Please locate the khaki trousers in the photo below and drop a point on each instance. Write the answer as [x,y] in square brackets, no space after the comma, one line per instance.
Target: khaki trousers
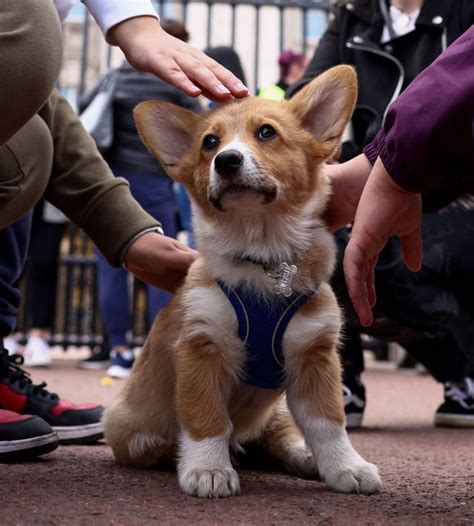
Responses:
[31,53]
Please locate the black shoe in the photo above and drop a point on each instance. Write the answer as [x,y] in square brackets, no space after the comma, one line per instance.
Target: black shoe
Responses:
[408,362]
[97,360]
[354,400]
[24,436]
[378,347]
[74,423]
[457,410]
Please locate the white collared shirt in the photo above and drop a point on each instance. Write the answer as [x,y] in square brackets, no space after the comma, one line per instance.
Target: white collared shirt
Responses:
[402,23]
[108,13]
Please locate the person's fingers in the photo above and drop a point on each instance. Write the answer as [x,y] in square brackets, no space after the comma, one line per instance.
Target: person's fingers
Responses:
[186,249]
[179,259]
[235,85]
[370,282]
[356,272]
[202,76]
[412,249]
[170,71]
[169,281]
[359,262]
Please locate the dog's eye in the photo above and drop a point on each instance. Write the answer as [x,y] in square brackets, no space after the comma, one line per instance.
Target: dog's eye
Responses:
[266,132]
[210,142]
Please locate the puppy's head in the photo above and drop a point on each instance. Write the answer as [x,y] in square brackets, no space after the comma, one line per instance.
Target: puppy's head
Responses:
[253,153]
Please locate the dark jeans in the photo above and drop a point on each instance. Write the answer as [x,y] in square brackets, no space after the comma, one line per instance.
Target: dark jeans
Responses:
[13,250]
[185,215]
[156,195]
[431,312]
[42,270]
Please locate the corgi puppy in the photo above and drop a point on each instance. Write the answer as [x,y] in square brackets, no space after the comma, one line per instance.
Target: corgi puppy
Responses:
[246,349]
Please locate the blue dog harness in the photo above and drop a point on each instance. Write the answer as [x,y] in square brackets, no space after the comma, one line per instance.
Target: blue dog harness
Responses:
[262,324]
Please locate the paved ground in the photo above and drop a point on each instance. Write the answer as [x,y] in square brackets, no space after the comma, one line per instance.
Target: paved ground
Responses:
[428,473]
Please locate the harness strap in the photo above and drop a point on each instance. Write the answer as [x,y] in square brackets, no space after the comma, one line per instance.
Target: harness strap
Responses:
[240,311]
[283,322]
[261,327]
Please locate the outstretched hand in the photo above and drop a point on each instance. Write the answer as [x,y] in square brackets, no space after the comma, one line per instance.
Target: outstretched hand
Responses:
[149,48]
[159,260]
[384,209]
[347,182]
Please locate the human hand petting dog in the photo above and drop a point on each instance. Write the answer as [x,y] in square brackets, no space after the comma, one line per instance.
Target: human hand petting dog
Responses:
[384,210]
[347,182]
[149,48]
[159,260]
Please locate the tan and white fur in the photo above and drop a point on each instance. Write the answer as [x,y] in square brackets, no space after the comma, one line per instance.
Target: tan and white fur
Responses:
[185,398]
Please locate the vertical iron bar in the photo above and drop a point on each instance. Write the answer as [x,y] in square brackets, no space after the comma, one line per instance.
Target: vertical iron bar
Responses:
[133,308]
[94,301]
[233,20]
[185,12]
[327,12]
[84,53]
[69,288]
[304,13]
[160,7]
[109,57]
[282,27]
[257,48]
[209,24]
[78,287]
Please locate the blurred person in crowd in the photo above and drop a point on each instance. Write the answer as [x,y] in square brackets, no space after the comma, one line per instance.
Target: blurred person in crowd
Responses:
[389,43]
[130,159]
[426,143]
[292,67]
[44,150]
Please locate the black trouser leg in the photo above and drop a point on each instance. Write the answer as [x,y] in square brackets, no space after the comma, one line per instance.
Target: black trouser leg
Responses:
[42,271]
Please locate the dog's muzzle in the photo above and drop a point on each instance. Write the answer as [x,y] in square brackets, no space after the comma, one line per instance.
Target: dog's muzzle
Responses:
[235,175]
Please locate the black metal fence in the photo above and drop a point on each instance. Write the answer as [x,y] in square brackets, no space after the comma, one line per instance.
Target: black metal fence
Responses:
[77,320]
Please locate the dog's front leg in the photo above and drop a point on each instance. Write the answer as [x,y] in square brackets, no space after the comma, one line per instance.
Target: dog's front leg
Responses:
[315,400]
[204,384]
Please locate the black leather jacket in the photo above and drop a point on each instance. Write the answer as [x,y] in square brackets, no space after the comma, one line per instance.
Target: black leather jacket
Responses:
[384,70]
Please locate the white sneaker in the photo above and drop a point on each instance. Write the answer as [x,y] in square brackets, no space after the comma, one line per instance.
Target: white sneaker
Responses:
[121,364]
[11,345]
[36,353]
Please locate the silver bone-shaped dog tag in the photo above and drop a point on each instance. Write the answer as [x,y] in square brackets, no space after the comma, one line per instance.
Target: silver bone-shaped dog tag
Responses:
[285,279]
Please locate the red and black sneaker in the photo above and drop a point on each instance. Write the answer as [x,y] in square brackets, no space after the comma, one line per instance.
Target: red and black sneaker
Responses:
[24,436]
[74,423]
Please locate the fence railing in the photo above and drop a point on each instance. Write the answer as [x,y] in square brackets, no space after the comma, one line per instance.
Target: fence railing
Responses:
[259,30]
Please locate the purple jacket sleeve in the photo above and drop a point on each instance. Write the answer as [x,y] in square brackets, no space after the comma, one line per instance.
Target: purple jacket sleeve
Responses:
[426,142]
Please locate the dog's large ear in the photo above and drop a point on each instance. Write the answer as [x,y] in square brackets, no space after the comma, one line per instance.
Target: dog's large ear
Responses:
[166,131]
[325,105]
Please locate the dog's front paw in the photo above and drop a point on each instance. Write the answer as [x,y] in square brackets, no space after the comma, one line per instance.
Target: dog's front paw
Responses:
[210,483]
[360,477]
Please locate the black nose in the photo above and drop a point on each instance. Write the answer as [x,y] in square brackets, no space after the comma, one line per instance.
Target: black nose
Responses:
[228,162]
